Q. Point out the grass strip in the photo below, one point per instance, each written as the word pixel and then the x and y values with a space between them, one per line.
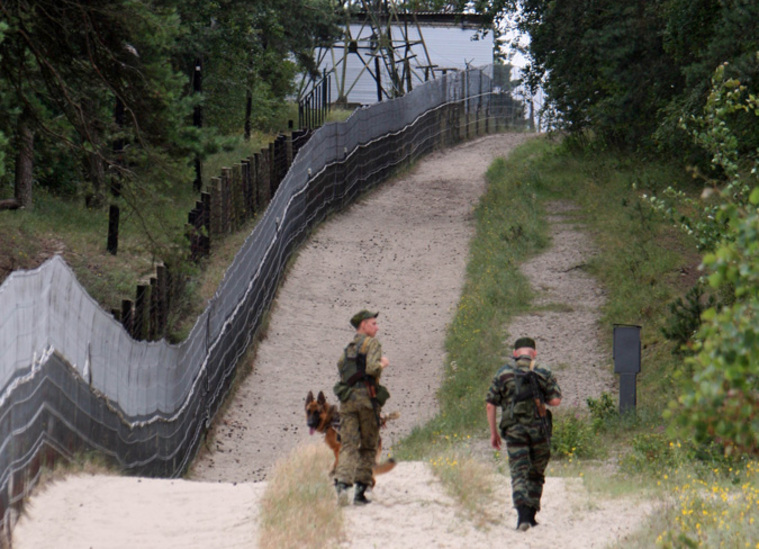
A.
pixel 298 509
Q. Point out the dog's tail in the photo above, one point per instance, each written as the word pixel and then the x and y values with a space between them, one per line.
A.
pixel 385 418
pixel 384 467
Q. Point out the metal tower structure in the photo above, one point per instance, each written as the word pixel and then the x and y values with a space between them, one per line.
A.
pixel 387 41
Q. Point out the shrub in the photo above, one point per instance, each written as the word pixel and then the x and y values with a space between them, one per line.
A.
pixel 602 410
pixel 573 436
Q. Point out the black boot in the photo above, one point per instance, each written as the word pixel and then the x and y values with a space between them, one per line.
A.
pixel 359 498
pixel 342 493
pixel 531 517
pixel 523 520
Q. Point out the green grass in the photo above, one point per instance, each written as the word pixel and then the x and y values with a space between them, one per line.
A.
pixel 298 508
pixel 643 264
pixel 149 233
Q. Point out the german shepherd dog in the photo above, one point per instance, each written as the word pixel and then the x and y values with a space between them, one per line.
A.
pixel 324 418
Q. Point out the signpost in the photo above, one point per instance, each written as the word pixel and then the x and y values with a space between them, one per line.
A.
pixel 626 363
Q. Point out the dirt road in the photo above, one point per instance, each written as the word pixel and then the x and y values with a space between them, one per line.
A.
pixel 402 250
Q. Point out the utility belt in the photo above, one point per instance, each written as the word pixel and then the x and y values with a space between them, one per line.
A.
pixel 365 386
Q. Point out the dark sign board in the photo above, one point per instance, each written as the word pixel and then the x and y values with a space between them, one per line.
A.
pixel 626 349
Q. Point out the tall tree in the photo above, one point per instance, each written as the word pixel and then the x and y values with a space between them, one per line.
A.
pixel 702 35
pixel 251 51
pixel 67 63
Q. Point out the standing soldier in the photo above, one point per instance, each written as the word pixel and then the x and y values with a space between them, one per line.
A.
pixel 360 368
pixel 522 390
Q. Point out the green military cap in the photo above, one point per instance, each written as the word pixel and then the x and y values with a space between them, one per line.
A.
pixel 360 316
pixel 524 342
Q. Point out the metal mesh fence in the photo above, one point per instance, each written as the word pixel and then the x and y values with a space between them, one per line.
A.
pixel 72 378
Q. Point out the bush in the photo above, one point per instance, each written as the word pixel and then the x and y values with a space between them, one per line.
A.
pixel 685 318
pixel 573 437
pixel 602 410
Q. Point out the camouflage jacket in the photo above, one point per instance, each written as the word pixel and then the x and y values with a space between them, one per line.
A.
pixel 511 381
pixel 373 350
pixel 369 346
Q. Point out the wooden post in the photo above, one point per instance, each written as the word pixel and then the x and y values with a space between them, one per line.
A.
pixel 162 287
pixel 247 191
pixel 237 196
pixel 272 171
pixel 140 309
pixel 255 180
pixel 127 316
pixel 205 237
pixel 153 310
pixel 289 153
pixel 226 201
pixel 217 206
pixel 113 229
pixel 264 179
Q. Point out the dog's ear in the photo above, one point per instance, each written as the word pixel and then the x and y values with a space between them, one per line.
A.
pixel 321 399
pixel 309 398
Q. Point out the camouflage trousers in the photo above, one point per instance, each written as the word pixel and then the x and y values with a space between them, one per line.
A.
pixel 359 435
pixel 529 452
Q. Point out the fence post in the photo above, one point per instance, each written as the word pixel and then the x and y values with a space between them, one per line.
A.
pixel 226 200
pixel 127 316
pixel 205 237
pixel 264 178
pixel 153 310
pixel 237 196
pixel 256 180
pixel 289 153
pixel 113 229
pixel 272 171
pixel 217 207
pixel 246 189
pixel 162 286
pixel 140 304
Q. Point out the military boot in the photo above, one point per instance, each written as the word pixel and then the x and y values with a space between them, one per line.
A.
pixel 531 517
pixel 342 493
pixel 359 498
pixel 523 518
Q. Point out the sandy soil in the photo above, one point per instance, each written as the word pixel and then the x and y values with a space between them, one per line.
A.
pixel 402 250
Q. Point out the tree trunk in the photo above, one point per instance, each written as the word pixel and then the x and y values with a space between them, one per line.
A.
pixel 25 160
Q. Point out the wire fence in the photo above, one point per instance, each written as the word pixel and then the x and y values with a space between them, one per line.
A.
pixel 74 380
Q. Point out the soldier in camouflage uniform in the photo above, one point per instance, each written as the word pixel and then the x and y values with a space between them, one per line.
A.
pixel 360 367
pixel 528 444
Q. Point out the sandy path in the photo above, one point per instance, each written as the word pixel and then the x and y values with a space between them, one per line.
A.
pixel 402 250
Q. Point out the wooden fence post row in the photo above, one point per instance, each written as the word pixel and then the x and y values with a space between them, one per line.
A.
pixel 231 199
pixel 147 317
pixel 240 192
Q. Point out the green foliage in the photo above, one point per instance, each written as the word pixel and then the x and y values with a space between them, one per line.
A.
pixel 629 72
pixel 603 410
pixel 653 452
pixel 685 317
pixel 573 436
pixel 714 508
pixel 251 51
pixel 721 400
